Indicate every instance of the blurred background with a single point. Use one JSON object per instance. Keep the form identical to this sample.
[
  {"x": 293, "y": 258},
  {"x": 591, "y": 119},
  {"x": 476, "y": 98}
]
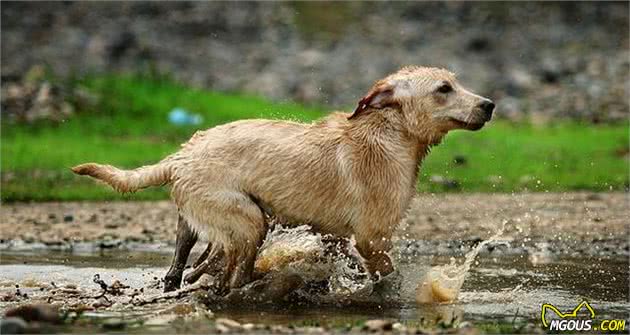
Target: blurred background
[{"x": 127, "y": 82}]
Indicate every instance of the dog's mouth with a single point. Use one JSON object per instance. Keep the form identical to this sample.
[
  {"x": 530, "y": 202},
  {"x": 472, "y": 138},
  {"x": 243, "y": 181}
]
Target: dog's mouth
[{"x": 472, "y": 125}]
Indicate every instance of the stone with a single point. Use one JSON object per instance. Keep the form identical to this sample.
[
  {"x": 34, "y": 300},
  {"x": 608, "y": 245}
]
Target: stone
[
  {"x": 273, "y": 41},
  {"x": 377, "y": 325},
  {"x": 13, "y": 325},
  {"x": 35, "y": 313},
  {"x": 101, "y": 302},
  {"x": 114, "y": 324},
  {"x": 228, "y": 323},
  {"x": 161, "y": 320}
]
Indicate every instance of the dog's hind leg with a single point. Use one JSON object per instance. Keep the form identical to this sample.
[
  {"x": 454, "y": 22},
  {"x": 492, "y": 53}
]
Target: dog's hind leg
[
  {"x": 186, "y": 239},
  {"x": 203, "y": 256},
  {"x": 245, "y": 257},
  {"x": 237, "y": 225},
  {"x": 240, "y": 255},
  {"x": 210, "y": 262}
]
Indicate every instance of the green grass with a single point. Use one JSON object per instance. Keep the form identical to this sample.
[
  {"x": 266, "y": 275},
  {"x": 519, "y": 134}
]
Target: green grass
[
  {"x": 128, "y": 127},
  {"x": 505, "y": 157}
]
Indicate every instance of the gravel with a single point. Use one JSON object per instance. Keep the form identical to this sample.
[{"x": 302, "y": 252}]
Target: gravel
[
  {"x": 537, "y": 60},
  {"x": 560, "y": 223}
]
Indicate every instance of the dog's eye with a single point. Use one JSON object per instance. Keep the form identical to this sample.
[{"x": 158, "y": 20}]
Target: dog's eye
[{"x": 445, "y": 88}]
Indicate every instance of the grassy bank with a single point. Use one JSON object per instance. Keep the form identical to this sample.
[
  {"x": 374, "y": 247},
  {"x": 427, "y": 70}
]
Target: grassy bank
[{"x": 129, "y": 127}]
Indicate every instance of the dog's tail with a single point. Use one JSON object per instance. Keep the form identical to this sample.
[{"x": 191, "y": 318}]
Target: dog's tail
[{"x": 126, "y": 181}]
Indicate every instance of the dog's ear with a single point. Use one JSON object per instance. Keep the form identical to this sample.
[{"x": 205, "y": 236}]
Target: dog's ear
[{"x": 382, "y": 95}]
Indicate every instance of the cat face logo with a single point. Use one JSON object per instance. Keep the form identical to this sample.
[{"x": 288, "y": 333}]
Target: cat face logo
[
  {"x": 572, "y": 314},
  {"x": 569, "y": 321}
]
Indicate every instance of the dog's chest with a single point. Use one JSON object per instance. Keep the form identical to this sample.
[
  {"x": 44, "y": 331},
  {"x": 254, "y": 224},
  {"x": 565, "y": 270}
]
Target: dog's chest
[{"x": 379, "y": 199}]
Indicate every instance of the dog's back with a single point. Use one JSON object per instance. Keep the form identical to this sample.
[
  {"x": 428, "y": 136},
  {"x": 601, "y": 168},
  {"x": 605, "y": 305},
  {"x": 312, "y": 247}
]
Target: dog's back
[{"x": 294, "y": 169}]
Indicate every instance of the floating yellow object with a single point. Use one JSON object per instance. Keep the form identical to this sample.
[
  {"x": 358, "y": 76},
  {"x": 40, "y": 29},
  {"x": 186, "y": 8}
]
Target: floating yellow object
[
  {"x": 442, "y": 294},
  {"x": 443, "y": 283},
  {"x": 431, "y": 290}
]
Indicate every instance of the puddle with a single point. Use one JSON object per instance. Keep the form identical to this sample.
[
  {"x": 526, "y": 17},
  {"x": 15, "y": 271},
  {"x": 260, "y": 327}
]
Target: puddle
[{"x": 504, "y": 288}]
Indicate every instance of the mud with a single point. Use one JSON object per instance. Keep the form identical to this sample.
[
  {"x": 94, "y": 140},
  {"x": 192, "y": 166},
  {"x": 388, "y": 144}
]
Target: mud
[
  {"x": 102, "y": 265},
  {"x": 550, "y": 217},
  {"x": 505, "y": 289}
]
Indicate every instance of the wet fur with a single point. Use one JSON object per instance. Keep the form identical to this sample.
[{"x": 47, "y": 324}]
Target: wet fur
[{"x": 346, "y": 174}]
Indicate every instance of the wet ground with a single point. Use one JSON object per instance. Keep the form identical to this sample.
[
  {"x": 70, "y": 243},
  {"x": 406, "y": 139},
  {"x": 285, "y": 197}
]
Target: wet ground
[
  {"x": 558, "y": 249},
  {"x": 445, "y": 217}
]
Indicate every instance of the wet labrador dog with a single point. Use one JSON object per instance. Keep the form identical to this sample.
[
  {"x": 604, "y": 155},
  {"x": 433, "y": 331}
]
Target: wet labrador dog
[{"x": 347, "y": 174}]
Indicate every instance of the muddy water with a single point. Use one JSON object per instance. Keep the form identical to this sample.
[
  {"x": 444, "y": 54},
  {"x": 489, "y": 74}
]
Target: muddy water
[{"x": 504, "y": 288}]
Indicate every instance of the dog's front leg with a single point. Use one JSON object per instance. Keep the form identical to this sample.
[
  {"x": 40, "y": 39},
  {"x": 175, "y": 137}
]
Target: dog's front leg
[
  {"x": 374, "y": 248},
  {"x": 186, "y": 239}
]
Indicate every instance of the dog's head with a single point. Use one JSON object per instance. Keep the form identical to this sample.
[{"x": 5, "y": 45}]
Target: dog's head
[{"x": 430, "y": 101}]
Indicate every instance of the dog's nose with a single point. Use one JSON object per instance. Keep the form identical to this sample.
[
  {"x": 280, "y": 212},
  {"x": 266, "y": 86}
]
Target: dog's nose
[{"x": 487, "y": 106}]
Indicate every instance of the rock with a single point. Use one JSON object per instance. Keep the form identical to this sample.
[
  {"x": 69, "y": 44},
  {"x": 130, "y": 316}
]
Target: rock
[
  {"x": 248, "y": 327},
  {"x": 101, "y": 302},
  {"x": 470, "y": 330},
  {"x": 117, "y": 287},
  {"x": 161, "y": 320},
  {"x": 511, "y": 108},
  {"x": 114, "y": 324},
  {"x": 148, "y": 231},
  {"x": 32, "y": 100},
  {"x": 221, "y": 329},
  {"x": 521, "y": 78},
  {"x": 446, "y": 183},
  {"x": 377, "y": 325},
  {"x": 13, "y": 325},
  {"x": 459, "y": 160},
  {"x": 436, "y": 179},
  {"x": 279, "y": 329},
  {"x": 120, "y": 44},
  {"x": 183, "y": 309},
  {"x": 35, "y": 313},
  {"x": 109, "y": 243},
  {"x": 228, "y": 323},
  {"x": 594, "y": 197},
  {"x": 274, "y": 41},
  {"x": 540, "y": 257},
  {"x": 399, "y": 327},
  {"x": 479, "y": 44},
  {"x": 552, "y": 70},
  {"x": 272, "y": 287}
]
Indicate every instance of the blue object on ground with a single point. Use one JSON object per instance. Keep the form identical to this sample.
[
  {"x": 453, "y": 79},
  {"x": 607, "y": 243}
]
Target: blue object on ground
[{"x": 179, "y": 116}]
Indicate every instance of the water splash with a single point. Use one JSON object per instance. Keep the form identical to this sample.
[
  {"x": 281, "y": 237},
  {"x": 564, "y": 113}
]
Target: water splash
[
  {"x": 443, "y": 283},
  {"x": 331, "y": 268}
]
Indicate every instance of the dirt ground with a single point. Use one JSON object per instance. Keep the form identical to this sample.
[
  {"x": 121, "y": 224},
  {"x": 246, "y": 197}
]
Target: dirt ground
[
  {"x": 527, "y": 216},
  {"x": 105, "y": 298}
]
